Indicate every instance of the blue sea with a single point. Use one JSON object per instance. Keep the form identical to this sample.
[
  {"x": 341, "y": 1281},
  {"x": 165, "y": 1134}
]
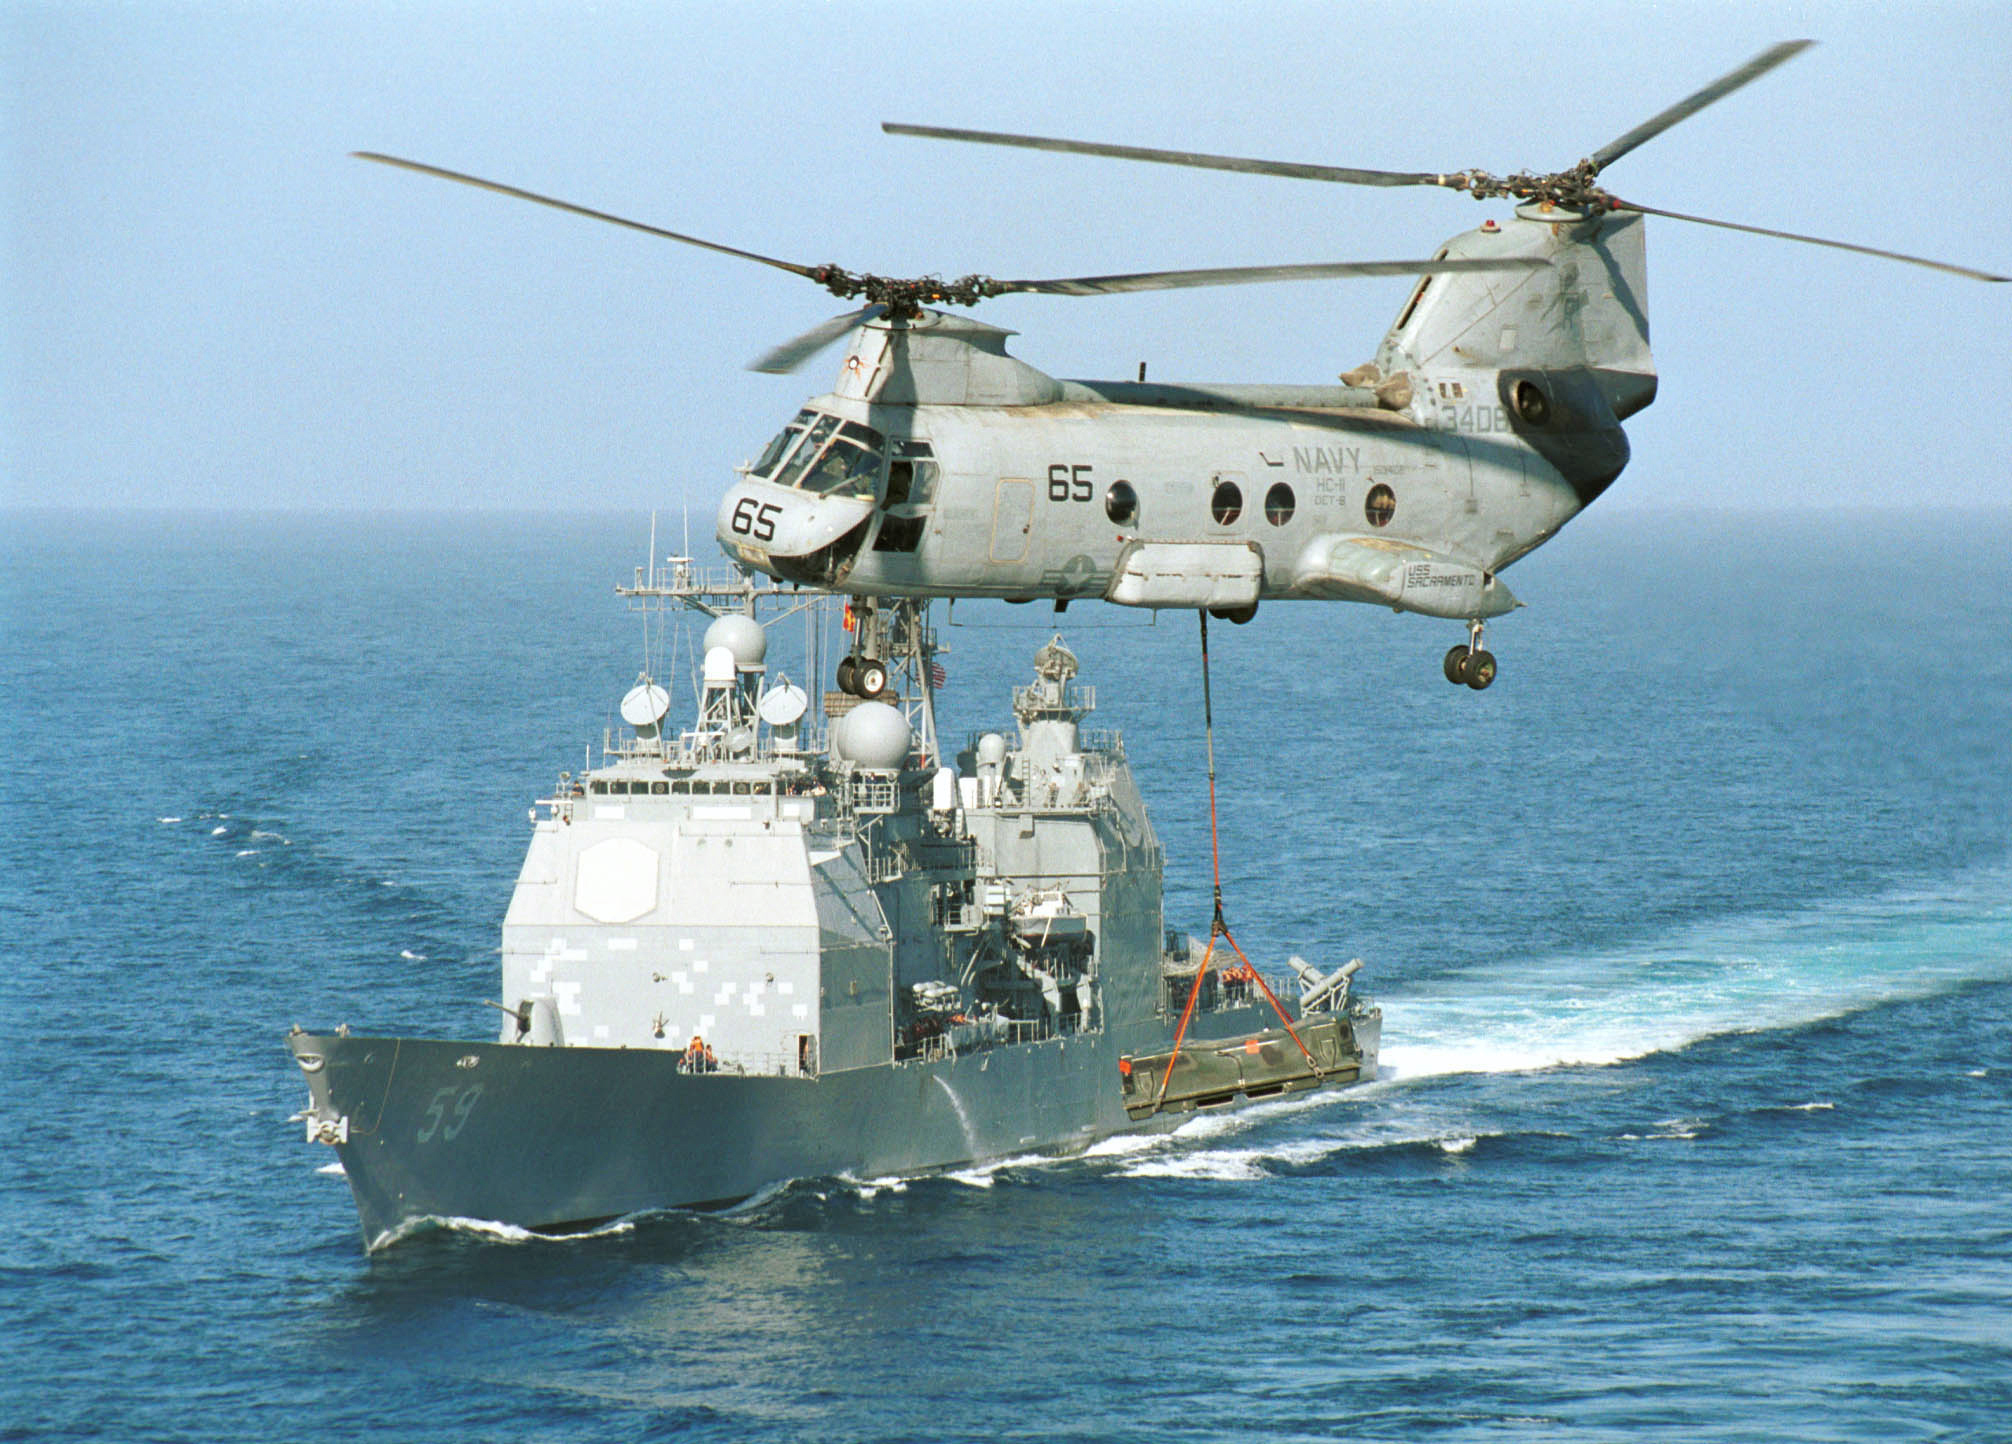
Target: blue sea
[{"x": 1693, "y": 937}]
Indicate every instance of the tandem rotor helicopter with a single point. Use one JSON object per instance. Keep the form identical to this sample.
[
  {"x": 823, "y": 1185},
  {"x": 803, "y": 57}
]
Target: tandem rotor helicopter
[{"x": 1491, "y": 414}]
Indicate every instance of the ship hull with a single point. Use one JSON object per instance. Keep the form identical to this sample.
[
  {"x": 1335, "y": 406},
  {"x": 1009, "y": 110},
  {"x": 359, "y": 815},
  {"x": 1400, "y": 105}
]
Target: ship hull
[{"x": 551, "y": 1138}]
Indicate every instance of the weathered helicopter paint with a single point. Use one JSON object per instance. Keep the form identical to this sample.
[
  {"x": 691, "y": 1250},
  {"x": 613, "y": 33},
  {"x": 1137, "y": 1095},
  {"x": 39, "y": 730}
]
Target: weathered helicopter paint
[{"x": 1489, "y": 418}]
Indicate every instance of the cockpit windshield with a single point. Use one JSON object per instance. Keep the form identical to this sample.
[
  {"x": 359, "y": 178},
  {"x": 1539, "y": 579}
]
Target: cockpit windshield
[
  {"x": 791, "y": 471},
  {"x": 784, "y": 439},
  {"x": 849, "y": 466}
]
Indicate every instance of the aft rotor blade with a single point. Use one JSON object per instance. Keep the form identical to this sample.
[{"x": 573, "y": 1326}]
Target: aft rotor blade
[
  {"x": 1973, "y": 274},
  {"x": 1291, "y": 169},
  {"x": 1252, "y": 275},
  {"x": 1684, "y": 109},
  {"x": 792, "y": 354},
  {"x": 558, "y": 205}
]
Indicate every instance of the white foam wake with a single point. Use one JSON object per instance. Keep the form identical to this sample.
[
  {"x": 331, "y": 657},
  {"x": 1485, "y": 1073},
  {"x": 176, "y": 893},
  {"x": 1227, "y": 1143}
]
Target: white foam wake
[
  {"x": 1745, "y": 975},
  {"x": 495, "y": 1232}
]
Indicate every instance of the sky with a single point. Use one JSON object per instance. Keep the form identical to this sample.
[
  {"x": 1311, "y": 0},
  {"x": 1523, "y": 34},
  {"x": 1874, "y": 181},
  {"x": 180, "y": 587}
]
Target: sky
[{"x": 206, "y": 303}]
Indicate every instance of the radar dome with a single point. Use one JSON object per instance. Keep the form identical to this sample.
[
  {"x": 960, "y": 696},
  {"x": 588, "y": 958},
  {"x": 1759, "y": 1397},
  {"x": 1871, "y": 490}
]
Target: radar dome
[
  {"x": 742, "y": 636},
  {"x": 718, "y": 667},
  {"x": 875, "y": 735},
  {"x": 992, "y": 749}
]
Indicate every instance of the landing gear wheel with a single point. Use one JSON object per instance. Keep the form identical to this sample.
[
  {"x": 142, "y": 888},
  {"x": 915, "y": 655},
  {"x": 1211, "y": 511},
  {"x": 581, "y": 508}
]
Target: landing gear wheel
[
  {"x": 869, "y": 678},
  {"x": 1479, "y": 671},
  {"x": 848, "y": 672},
  {"x": 1456, "y": 665},
  {"x": 1238, "y": 615}
]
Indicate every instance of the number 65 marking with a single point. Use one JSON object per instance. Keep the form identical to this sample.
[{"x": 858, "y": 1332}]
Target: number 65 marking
[
  {"x": 1069, "y": 483},
  {"x": 437, "y": 1111},
  {"x": 755, "y": 519}
]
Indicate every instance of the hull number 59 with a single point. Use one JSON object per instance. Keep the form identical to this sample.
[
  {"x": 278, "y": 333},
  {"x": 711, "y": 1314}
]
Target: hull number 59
[{"x": 448, "y": 1113}]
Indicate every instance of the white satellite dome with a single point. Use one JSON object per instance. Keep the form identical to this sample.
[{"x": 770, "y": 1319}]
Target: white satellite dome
[
  {"x": 875, "y": 735},
  {"x": 743, "y": 636},
  {"x": 992, "y": 749},
  {"x": 718, "y": 668}
]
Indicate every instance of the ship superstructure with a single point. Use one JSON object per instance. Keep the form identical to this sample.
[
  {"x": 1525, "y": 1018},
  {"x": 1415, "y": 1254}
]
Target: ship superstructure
[{"x": 792, "y": 940}]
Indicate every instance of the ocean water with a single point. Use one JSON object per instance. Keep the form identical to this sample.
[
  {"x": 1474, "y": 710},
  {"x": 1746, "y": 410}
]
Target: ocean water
[{"x": 1693, "y": 937}]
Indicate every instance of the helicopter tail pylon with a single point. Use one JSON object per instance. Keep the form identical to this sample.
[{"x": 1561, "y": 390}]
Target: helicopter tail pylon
[
  {"x": 1561, "y": 352},
  {"x": 1587, "y": 309}
]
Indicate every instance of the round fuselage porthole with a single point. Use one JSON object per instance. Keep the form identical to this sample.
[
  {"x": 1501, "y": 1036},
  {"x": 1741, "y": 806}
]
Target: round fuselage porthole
[
  {"x": 1121, "y": 503},
  {"x": 1226, "y": 502}
]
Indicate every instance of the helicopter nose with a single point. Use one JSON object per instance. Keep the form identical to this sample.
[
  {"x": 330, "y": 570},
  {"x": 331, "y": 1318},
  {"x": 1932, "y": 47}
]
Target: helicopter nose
[{"x": 766, "y": 526}]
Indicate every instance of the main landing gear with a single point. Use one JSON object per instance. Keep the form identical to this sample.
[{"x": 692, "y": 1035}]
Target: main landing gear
[
  {"x": 1470, "y": 664},
  {"x": 863, "y": 677},
  {"x": 878, "y": 631}
]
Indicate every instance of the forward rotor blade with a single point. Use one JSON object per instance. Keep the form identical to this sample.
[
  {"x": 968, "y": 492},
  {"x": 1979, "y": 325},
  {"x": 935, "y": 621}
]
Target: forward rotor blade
[
  {"x": 1178, "y": 157},
  {"x": 792, "y": 354},
  {"x": 1252, "y": 275},
  {"x": 1974, "y": 275},
  {"x": 1684, "y": 109},
  {"x": 558, "y": 205}
]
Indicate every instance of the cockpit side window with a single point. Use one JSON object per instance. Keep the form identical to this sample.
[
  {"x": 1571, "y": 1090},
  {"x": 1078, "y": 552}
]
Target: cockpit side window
[
  {"x": 843, "y": 470},
  {"x": 785, "y": 438},
  {"x": 911, "y": 487},
  {"x": 820, "y": 432},
  {"x": 912, "y": 476}
]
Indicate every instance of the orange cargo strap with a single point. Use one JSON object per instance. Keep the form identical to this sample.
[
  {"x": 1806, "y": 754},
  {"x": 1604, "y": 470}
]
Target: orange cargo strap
[{"x": 1218, "y": 928}]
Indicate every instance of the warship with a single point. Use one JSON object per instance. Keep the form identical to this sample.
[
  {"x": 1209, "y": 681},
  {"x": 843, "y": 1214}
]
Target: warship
[{"x": 791, "y": 940}]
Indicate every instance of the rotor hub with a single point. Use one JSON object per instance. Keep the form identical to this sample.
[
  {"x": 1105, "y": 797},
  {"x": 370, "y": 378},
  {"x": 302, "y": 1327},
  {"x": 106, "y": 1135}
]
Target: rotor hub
[
  {"x": 904, "y": 298},
  {"x": 1573, "y": 190}
]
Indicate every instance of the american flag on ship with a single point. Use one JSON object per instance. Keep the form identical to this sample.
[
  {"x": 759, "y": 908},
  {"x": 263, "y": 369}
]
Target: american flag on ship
[{"x": 937, "y": 676}]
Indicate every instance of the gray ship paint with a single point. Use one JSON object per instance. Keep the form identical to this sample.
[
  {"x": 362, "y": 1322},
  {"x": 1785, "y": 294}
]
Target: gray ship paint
[{"x": 758, "y": 950}]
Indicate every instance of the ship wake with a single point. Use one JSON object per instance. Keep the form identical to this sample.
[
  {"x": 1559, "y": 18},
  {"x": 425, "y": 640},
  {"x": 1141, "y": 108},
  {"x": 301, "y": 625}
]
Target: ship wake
[{"x": 1743, "y": 975}]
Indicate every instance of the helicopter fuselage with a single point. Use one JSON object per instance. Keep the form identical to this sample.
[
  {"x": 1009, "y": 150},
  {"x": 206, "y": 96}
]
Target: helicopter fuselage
[
  {"x": 1221, "y": 502},
  {"x": 941, "y": 466}
]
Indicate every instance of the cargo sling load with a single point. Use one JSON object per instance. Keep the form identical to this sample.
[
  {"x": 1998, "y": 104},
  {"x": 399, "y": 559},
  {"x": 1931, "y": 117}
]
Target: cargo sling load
[{"x": 790, "y": 939}]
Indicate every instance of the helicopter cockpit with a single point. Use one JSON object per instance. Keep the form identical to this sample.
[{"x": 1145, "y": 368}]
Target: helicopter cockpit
[
  {"x": 824, "y": 456},
  {"x": 803, "y": 511}
]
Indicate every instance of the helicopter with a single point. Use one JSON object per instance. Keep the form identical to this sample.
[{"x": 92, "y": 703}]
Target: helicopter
[{"x": 939, "y": 465}]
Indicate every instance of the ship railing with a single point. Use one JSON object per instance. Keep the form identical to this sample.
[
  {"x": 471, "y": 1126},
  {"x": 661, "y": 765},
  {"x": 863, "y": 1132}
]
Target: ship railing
[
  {"x": 1102, "y": 739},
  {"x": 695, "y": 747},
  {"x": 883, "y": 863},
  {"x": 1076, "y": 697},
  {"x": 955, "y": 915},
  {"x": 759, "y": 1065},
  {"x": 874, "y": 793},
  {"x": 938, "y": 1047},
  {"x": 1220, "y": 993},
  {"x": 947, "y": 854},
  {"x": 681, "y": 581}
]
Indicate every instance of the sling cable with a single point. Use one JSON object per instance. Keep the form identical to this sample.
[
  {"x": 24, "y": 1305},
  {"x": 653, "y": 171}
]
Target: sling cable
[{"x": 1219, "y": 928}]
